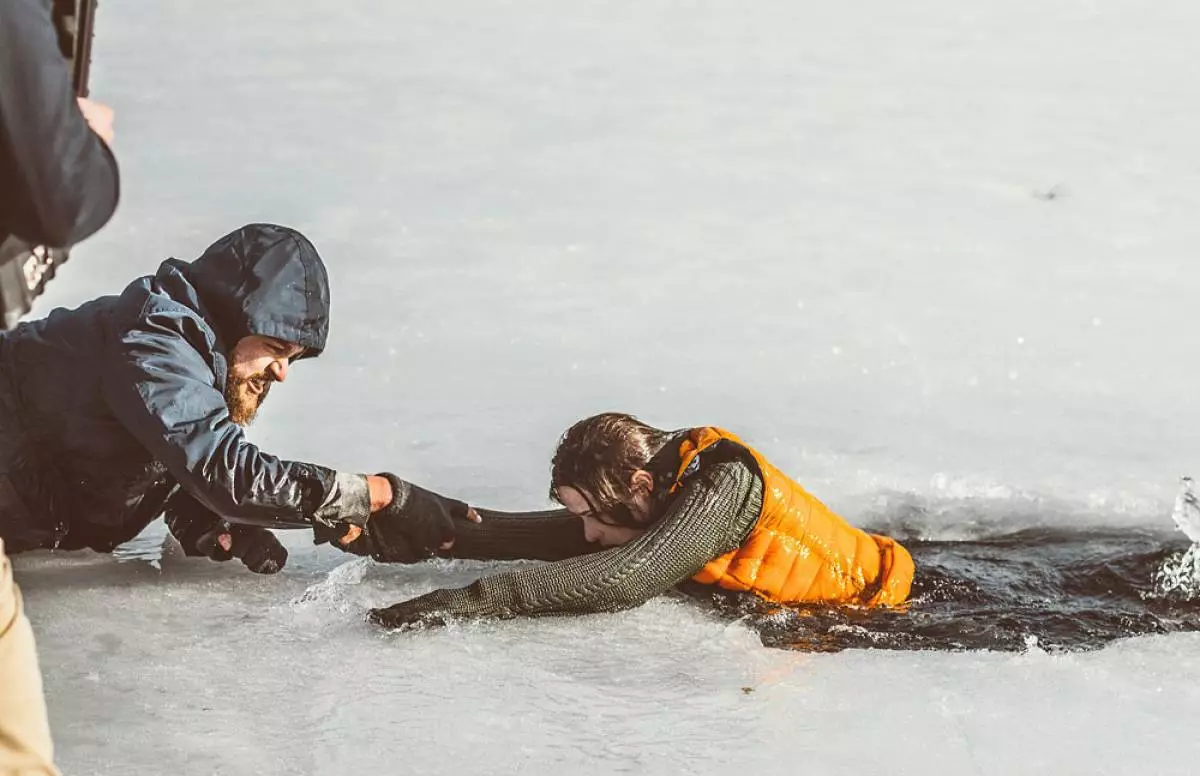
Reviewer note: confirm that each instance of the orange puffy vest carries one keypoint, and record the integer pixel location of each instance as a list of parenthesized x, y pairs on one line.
[(799, 551)]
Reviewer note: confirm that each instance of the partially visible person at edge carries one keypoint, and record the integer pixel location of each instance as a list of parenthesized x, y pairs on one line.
[(132, 406), (58, 177), (25, 745), (665, 507), (58, 185)]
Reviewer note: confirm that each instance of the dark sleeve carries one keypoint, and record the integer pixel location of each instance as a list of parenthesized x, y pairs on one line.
[(545, 535), (59, 179), (712, 515), (160, 386), (188, 520)]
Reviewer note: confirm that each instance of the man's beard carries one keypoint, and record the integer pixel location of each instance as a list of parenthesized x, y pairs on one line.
[(241, 396)]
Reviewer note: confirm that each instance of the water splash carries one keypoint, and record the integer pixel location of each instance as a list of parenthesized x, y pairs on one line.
[(331, 591), (1187, 511), (1179, 577)]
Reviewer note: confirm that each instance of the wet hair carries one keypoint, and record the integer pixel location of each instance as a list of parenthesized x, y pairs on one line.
[(598, 455)]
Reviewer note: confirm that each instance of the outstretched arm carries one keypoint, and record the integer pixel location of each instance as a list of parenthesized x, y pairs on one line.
[(543, 535), (711, 516), (161, 386), (547, 535)]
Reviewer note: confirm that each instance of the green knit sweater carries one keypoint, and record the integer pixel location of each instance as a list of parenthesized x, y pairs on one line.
[(710, 515)]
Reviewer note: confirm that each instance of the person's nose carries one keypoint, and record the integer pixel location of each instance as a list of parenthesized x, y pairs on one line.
[(279, 370)]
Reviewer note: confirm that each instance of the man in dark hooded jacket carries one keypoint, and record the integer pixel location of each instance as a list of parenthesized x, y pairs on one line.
[(132, 405)]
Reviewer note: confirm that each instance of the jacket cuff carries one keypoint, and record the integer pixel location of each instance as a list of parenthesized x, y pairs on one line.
[(349, 501)]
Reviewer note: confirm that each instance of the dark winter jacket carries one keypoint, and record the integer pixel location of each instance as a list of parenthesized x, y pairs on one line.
[(122, 399), (58, 180)]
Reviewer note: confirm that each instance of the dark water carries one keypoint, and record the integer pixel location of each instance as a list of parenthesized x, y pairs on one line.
[(1072, 590)]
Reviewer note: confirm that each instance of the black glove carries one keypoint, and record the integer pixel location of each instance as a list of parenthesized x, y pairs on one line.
[(421, 517), (396, 550), (412, 528), (199, 532), (259, 549)]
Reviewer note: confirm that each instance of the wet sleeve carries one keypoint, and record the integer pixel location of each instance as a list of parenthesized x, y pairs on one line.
[(60, 178), (711, 516), (543, 535), (160, 386), (188, 521)]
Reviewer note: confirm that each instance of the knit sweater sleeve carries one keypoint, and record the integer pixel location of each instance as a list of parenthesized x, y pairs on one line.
[(547, 535), (712, 514)]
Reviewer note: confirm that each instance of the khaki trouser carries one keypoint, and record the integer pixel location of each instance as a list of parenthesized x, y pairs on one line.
[(25, 746)]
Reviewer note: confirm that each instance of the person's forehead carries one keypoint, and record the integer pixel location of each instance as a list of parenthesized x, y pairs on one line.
[(573, 499)]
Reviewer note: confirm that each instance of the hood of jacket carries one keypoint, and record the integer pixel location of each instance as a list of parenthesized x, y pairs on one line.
[(263, 279)]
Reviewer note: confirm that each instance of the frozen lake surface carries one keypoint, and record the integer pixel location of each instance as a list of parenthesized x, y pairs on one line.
[(937, 262)]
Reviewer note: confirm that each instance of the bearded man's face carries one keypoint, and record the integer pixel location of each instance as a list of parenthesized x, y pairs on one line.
[(255, 364), (244, 395)]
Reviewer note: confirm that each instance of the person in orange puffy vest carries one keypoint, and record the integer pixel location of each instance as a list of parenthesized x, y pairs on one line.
[(657, 508)]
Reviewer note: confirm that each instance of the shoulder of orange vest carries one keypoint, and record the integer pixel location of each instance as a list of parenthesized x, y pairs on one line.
[(665, 465), (724, 448)]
